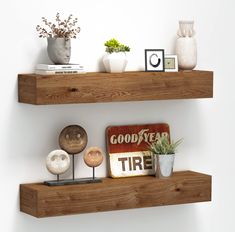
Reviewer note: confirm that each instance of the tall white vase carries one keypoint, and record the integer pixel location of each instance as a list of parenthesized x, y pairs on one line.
[(186, 47)]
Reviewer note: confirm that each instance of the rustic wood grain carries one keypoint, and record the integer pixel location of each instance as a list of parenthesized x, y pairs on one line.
[(114, 194), (114, 87), (27, 89)]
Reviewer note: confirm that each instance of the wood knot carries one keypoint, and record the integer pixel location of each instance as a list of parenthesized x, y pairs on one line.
[(73, 90)]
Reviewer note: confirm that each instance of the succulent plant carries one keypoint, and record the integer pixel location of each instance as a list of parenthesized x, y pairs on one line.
[(164, 146), (113, 45)]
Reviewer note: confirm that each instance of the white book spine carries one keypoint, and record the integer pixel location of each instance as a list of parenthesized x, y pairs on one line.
[(59, 67), (53, 72)]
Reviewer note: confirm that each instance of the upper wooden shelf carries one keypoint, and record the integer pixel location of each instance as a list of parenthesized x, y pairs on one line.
[(40, 200), (110, 87)]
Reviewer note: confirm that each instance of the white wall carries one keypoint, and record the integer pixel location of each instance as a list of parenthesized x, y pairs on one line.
[(29, 132)]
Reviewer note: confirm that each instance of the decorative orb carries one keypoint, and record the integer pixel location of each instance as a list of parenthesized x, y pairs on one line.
[(73, 139), (57, 162), (93, 157)]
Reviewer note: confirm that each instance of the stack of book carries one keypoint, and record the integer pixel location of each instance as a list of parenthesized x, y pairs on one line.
[(47, 69)]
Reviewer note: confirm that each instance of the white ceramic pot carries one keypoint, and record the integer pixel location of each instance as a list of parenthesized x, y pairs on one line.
[(186, 47), (115, 62), (164, 165)]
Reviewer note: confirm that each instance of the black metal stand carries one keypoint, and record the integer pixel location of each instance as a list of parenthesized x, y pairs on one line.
[(93, 173), (73, 167), (72, 181)]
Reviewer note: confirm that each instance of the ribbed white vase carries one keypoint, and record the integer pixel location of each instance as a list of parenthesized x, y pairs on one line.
[(186, 47)]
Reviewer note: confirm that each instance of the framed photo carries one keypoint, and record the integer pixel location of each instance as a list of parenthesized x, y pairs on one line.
[(154, 60), (171, 63)]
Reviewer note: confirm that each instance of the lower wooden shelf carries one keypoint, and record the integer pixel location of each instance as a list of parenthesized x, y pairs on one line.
[(183, 187)]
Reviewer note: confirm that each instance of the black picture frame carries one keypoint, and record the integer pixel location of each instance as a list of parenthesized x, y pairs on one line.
[(154, 67)]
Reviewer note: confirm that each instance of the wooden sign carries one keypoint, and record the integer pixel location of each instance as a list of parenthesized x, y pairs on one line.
[(127, 148)]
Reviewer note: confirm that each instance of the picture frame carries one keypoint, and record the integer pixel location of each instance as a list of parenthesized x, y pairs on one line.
[(154, 60), (171, 63)]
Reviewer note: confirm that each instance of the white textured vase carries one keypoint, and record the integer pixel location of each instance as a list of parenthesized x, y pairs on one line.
[(186, 47), (115, 62), (164, 165)]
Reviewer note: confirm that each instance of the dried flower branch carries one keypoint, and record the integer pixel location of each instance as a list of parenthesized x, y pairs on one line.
[(60, 29)]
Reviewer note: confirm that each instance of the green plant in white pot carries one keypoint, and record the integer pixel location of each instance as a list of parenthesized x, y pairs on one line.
[(115, 60), (164, 155)]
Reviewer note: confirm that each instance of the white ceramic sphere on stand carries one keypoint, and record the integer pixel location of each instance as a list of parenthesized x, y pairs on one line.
[(58, 162), (115, 62), (186, 47)]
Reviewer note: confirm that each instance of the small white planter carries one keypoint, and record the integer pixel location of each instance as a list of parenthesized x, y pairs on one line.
[(115, 62), (164, 165)]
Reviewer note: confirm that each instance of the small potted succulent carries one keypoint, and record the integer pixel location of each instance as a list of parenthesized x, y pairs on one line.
[(58, 36), (115, 60), (164, 154)]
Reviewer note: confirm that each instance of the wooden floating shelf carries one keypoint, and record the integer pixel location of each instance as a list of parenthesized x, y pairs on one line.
[(114, 87), (114, 194)]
